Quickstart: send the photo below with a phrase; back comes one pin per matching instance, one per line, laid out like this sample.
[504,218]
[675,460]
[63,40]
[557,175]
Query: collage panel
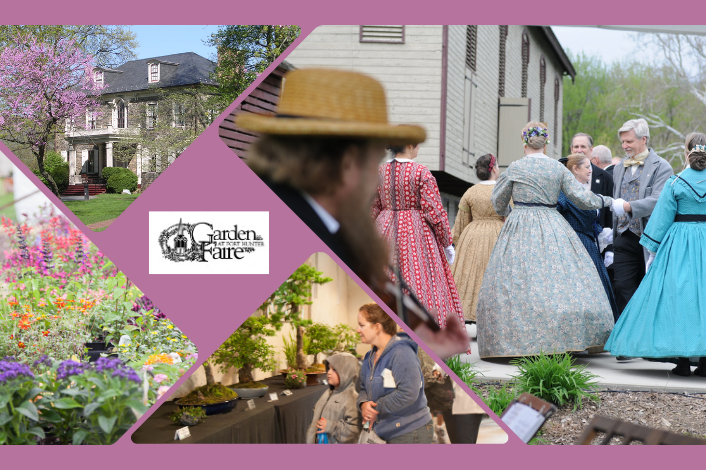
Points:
[453,140]
[302,368]
[84,351]
[145,94]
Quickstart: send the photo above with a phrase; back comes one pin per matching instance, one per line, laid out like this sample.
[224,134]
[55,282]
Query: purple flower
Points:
[10,370]
[44,360]
[69,368]
[118,369]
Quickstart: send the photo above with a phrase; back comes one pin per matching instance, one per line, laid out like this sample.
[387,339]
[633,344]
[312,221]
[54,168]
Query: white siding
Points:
[410,73]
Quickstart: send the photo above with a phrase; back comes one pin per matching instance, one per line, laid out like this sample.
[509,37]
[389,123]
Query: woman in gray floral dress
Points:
[540,292]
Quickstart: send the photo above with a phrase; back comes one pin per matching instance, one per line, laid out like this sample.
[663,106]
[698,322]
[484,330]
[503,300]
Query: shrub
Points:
[121,178]
[107,172]
[555,378]
[499,400]
[465,371]
[295,379]
[57,168]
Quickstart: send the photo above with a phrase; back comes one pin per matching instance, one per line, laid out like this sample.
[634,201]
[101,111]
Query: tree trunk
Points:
[209,373]
[42,171]
[245,374]
[301,358]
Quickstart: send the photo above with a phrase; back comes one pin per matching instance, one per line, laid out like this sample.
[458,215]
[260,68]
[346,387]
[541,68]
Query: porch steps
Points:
[77,190]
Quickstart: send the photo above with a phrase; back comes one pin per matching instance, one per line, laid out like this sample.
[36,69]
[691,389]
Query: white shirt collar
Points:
[536,155]
[487,182]
[329,221]
[401,160]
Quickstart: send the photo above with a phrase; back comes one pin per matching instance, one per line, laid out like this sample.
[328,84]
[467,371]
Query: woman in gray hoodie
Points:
[336,413]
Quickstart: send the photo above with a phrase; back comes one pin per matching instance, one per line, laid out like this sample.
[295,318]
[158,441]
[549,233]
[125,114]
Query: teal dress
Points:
[667,315]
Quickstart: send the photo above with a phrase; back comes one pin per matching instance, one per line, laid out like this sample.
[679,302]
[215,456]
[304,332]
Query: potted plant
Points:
[247,349]
[213,398]
[295,379]
[346,339]
[323,339]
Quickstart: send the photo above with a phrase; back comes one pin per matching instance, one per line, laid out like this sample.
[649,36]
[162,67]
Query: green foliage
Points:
[57,168]
[555,378]
[286,302]
[295,379]
[109,171]
[247,349]
[290,349]
[322,338]
[121,178]
[245,51]
[196,413]
[499,400]
[208,395]
[346,339]
[465,371]
[103,207]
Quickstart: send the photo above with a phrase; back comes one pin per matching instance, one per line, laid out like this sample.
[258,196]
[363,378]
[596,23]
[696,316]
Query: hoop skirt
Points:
[540,292]
[475,232]
[417,222]
[666,316]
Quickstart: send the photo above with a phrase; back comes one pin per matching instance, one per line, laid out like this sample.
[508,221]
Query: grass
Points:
[465,371]
[499,400]
[555,378]
[103,207]
[8,212]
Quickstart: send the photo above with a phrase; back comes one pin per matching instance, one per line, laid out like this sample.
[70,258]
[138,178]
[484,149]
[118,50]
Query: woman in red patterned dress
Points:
[409,215]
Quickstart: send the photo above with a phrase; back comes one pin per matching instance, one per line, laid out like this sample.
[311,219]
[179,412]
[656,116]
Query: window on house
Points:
[154,73]
[92,121]
[179,115]
[501,71]
[557,91]
[98,76]
[542,82]
[121,115]
[525,61]
[151,115]
[393,34]
[471,46]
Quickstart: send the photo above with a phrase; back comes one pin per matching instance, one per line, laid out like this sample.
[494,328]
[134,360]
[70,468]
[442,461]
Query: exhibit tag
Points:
[273,397]
[287,392]
[182,434]
[251,404]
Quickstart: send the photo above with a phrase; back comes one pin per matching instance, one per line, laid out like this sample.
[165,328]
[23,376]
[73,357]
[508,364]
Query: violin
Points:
[405,304]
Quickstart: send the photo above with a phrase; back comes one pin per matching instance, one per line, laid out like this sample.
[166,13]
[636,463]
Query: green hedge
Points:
[107,172]
[119,179]
[57,168]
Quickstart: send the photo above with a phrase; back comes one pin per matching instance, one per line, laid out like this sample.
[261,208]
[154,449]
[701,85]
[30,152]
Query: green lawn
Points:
[8,212]
[103,207]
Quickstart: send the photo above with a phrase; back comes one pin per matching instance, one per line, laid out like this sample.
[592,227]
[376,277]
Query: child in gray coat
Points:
[336,413]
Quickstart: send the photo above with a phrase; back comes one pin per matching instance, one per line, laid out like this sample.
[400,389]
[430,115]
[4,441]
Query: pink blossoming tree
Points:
[43,86]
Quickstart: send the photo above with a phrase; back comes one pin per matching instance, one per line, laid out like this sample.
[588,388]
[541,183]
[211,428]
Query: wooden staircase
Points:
[77,190]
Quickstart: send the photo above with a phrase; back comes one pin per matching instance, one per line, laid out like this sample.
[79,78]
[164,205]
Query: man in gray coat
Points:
[336,413]
[638,181]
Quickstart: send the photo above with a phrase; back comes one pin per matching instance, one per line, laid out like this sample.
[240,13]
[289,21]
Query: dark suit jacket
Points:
[296,202]
[602,183]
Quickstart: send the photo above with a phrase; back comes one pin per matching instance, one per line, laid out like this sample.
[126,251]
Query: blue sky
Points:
[164,40]
[610,45]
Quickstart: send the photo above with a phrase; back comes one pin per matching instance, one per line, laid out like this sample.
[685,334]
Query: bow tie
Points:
[633,161]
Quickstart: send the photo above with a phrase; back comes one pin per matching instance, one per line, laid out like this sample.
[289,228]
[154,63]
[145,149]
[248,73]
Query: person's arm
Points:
[377,205]
[408,382]
[562,204]
[501,195]
[644,207]
[362,393]
[433,209]
[579,196]
[463,218]
[661,219]
[448,342]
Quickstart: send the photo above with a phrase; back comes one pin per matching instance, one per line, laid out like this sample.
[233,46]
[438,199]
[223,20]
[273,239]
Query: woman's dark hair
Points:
[483,167]
[396,149]
[374,314]
[697,159]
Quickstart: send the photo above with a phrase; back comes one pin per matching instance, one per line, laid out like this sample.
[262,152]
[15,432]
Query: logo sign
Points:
[209,243]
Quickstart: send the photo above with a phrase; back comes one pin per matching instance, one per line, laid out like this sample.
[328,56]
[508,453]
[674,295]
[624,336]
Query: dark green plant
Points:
[57,168]
[346,339]
[323,338]
[295,379]
[208,395]
[121,178]
[290,349]
[555,378]
[196,413]
[499,400]
[465,371]
[247,349]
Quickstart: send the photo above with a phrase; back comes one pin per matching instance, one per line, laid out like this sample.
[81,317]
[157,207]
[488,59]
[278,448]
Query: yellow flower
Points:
[154,332]
[170,326]
[183,336]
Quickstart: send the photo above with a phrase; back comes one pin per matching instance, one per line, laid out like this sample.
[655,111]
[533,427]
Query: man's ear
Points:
[349,166]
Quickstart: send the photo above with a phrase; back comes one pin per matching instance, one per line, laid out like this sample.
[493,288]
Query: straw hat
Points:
[331,103]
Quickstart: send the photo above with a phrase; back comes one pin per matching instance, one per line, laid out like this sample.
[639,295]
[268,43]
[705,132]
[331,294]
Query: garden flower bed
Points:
[58,292]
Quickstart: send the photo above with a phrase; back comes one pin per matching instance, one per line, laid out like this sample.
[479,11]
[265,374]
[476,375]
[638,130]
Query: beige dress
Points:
[474,234]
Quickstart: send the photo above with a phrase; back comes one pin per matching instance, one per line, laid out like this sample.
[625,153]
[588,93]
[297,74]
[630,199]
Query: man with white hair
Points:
[639,179]
[601,156]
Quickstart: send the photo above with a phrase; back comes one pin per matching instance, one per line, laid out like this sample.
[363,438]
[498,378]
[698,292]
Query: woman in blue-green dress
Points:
[666,317]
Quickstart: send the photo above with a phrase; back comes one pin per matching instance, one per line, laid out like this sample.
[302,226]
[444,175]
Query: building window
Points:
[179,115]
[501,71]
[542,82]
[393,34]
[557,91]
[525,61]
[151,115]
[91,120]
[98,77]
[121,115]
[471,46]
[154,73]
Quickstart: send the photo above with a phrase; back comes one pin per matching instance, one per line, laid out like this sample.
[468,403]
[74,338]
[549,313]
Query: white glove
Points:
[450,254]
[617,207]
[649,261]
[608,258]
[605,238]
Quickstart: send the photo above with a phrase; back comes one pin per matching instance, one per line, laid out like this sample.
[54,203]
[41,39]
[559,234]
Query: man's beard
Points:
[368,251]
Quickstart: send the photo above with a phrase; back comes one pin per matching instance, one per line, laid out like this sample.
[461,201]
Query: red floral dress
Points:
[421,234]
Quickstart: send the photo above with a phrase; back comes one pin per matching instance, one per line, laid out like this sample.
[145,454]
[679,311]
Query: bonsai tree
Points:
[323,338]
[247,349]
[285,304]
[346,339]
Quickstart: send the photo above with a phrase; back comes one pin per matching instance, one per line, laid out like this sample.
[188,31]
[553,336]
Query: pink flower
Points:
[22,286]
[161,390]
[159,378]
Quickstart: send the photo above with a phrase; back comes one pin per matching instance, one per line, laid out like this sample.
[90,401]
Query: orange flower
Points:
[45,333]
[12,336]
[157,358]
[21,345]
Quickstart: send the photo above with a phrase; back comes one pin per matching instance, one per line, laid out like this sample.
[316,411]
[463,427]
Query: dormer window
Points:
[98,77]
[153,73]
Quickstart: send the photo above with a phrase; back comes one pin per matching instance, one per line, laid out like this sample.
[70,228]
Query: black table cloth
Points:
[284,421]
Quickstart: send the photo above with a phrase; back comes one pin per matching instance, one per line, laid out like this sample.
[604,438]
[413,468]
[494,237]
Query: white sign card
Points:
[251,404]
[182,434]
[287,392]
[273,397]
[524,421]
